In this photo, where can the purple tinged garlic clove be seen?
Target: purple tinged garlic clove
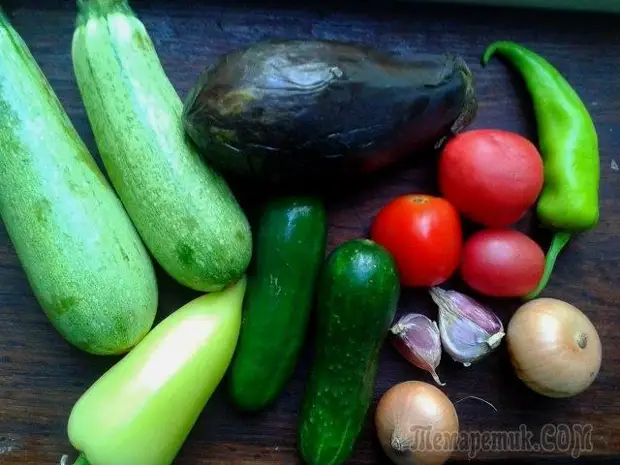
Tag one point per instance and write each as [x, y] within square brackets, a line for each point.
[469, 330]
[416, 338]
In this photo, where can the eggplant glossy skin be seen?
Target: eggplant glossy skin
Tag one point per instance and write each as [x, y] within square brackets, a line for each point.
[292, 110]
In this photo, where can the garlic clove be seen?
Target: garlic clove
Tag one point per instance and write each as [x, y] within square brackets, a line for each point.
[469, 331]
[417, 339]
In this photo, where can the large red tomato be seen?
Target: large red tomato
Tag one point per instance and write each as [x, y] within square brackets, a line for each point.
[502, 263]
[423, 234]
[491, 176]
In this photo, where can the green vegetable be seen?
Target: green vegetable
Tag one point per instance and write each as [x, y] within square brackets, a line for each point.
[82, 256]
[310, 111]
[569, 202]
[289, 252]
[184, 211]
[141, 411]
[356, 302]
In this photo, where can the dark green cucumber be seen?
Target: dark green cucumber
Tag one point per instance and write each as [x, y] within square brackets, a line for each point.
[290, 248]
[357, 297]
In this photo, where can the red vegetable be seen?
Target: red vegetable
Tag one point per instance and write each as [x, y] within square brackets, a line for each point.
[423, 234]
[493, 177]
[502, 263]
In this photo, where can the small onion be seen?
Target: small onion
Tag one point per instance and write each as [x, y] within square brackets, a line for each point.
[416, 424]
[554, 348]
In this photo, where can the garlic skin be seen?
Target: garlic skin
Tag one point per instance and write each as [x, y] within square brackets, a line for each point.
[469, 331]
[417, 339]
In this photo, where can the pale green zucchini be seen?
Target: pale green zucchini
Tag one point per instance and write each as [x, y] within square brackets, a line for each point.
[185, 212]
[81, 254]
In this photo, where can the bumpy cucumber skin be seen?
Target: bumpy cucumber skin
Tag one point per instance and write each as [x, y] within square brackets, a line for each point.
[185, 212]
[357, 297]
[82, 256]
[290, 248]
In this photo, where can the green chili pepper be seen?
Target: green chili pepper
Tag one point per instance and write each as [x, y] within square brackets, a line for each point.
[569, 201]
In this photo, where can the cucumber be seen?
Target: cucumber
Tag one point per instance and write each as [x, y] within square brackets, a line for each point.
[290, 248]
[185, 212]
[82, 256]
[358, 293]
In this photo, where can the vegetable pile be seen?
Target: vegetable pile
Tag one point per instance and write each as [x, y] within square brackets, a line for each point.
[284, 113]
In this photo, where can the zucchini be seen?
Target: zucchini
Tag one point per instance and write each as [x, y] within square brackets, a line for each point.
[185, 212]
[82, 257]
[357, 296]
[290, 247]
[286, 112]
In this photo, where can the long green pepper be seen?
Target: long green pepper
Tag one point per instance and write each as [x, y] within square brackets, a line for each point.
[569, 201]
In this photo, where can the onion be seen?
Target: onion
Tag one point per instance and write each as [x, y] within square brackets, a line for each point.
[553, 347]
[416, 424]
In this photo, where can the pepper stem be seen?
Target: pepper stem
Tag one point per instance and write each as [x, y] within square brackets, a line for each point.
[81, 460]
[559, 241]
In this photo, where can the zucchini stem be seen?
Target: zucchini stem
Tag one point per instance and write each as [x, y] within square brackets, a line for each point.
[101, 7]
[4, 20]
[559, 241]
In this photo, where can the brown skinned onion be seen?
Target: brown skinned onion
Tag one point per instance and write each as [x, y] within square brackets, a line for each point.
[554, 348]
[416, 424]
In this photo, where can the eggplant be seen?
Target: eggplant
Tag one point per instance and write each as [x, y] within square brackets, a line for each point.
[289, 111]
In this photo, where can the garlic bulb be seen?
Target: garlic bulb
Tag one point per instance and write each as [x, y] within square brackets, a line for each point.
[469, 331]
[417, 339]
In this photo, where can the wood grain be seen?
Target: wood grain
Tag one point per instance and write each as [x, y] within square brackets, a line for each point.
[41, 376]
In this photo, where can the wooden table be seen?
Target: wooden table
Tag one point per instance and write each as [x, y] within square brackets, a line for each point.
[41, 376]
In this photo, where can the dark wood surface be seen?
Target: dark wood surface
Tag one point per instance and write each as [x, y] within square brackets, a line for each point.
[41, 376]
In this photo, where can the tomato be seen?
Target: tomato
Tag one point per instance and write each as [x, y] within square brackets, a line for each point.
[492, 177]
[502, 263]
[424, 235]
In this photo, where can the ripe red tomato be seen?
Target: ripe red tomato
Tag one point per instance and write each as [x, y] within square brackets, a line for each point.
[502, 263]
[492, 177]
[423, 234]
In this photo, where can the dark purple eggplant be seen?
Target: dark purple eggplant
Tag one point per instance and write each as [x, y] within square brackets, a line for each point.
[288, 111]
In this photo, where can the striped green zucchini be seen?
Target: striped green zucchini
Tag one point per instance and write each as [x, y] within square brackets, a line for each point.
[184, 211]
[82, 256]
